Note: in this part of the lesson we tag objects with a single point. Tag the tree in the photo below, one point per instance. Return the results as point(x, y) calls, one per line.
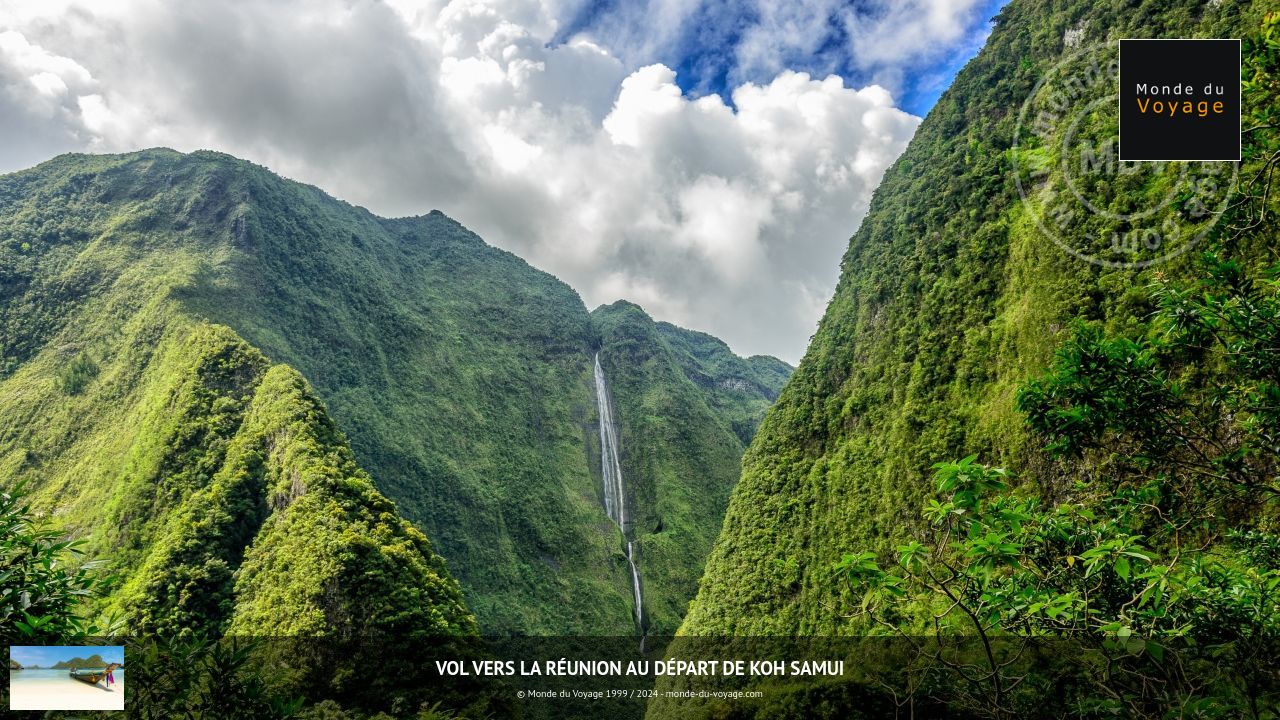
point(43, 579)
point(1143, 620)
point(1154, 565)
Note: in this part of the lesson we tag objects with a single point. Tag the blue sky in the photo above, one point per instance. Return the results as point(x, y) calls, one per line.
point(49, 655)
point(706, 47)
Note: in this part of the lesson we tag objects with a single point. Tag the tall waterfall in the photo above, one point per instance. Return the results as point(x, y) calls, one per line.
point(615, 497)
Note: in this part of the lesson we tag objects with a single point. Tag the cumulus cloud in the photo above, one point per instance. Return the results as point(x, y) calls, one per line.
point(727, 217)
point(42, 99)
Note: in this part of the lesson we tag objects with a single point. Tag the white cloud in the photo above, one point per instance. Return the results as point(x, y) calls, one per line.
point(904, 35)
point(725, 219)
point(899, 30)
point(40, 92)
point(884, 40)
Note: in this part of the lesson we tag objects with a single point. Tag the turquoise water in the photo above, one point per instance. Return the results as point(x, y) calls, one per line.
point(16, 676)
point(55, 690)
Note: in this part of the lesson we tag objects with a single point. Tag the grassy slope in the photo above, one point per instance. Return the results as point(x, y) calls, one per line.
point(182, 456)
point(948, 299)
point(460, 374)
point(738, 389)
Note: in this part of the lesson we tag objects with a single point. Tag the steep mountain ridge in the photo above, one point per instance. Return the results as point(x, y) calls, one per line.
point(950, 297)
point(205, 452)
point(460, 375)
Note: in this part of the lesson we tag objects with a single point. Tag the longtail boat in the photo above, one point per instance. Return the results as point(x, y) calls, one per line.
point(93, 676)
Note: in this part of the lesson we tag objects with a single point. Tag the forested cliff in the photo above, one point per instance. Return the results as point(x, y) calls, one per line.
point(951, 299)
point(188, 343)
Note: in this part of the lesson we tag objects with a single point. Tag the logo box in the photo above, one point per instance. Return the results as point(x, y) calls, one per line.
point(1180, 100)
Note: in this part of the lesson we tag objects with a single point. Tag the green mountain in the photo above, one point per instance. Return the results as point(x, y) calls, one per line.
point(93, 661)
point(218, 485)
point(739, 390)
point(219, 377)
point(950, 298)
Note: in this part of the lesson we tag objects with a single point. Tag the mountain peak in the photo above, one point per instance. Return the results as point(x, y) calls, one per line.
point(450, 375)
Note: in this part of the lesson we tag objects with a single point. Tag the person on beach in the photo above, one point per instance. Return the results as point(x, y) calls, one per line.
point(110, 677)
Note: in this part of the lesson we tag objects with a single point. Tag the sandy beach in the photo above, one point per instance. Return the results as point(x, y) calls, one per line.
point(55, 690)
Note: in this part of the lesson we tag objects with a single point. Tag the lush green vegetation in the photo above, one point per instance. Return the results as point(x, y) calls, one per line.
point(1157, 558)
point(950, 298)
point(141, 296)
point(1129, 567)
point(738, 389)
point(1161, 612)
point(93, 661)
point(226, 453)
point(77, 374)
point(196, 678)
point(43, 580)
point(147, 302)
point(683, 403)
point(289, 537)
point(285, 537)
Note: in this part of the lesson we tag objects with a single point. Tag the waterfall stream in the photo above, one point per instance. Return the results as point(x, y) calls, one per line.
point(615, 497)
